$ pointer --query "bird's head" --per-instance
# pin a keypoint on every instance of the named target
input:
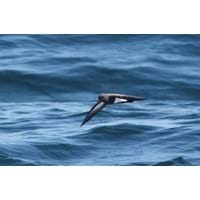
(106, 98)
(103, 97)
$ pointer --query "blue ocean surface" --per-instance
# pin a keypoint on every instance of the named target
(49, 82)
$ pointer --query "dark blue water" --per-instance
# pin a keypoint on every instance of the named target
(49, 82)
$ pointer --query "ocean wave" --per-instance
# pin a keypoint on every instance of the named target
(178, 161)
(10, 160)
(133, 81)
(64, 151)
(115, 132)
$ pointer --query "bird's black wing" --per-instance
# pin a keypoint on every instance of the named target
(96, 108)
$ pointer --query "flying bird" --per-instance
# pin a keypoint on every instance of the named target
(106, 99)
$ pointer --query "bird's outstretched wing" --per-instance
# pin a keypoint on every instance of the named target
(120, 98)
(96, 108)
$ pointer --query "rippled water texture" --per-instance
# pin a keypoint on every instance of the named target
(49, 82)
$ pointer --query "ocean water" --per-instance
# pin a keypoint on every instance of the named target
(49, 82)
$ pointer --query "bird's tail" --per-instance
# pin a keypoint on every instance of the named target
(135, 98)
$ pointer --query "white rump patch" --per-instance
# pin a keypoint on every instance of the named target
(118, 100)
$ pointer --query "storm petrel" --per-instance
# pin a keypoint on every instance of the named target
(109, 98)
